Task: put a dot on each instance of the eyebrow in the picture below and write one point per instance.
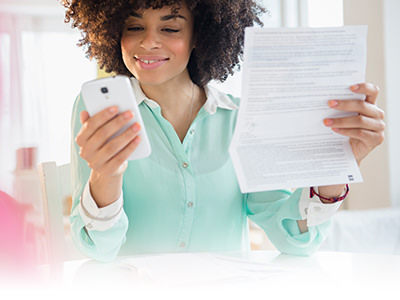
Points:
(163, 18)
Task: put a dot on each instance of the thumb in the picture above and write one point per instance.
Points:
(84, 116)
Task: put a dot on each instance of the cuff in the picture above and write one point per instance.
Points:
(96, 218)
(315, 211)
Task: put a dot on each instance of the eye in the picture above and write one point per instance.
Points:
(170, 30)
(135, 28)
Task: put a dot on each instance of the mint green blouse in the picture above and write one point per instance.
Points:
(185, 195)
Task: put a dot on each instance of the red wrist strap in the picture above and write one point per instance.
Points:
(330, 200)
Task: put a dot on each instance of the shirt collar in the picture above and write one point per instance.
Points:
(215, 98)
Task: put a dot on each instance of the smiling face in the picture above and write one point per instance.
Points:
(156, 44)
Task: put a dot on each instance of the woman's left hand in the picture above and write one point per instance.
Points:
(366, 130)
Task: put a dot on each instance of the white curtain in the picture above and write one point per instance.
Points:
(10, 96)
(41, 72)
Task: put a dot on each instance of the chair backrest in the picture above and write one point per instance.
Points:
(56, 190)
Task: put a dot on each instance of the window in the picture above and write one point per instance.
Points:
(41, 71)
(54, 70)
(325, 13)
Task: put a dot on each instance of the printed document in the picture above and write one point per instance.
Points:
(289, 75)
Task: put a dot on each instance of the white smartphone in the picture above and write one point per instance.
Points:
(117, 90)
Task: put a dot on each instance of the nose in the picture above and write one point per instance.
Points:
(150, 40)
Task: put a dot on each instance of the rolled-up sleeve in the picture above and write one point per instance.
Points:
(101, 245)
(96, 218)
(277, 212)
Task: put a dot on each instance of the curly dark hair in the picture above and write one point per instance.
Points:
(218, 24)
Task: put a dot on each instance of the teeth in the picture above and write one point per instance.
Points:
(149, 61)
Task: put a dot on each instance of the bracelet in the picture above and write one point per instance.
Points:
(330, 200)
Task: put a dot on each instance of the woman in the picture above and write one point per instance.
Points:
(185, 196)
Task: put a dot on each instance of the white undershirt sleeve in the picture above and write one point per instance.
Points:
(96, 218)
(315, 211)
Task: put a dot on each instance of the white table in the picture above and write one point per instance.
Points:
(267, 270)
(257, 274)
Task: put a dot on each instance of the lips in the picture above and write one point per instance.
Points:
(151, 62)
(151, 59)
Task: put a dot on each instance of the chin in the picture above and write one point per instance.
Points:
(151, 79)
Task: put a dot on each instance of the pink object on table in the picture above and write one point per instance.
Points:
(15, 254)
(26, 158)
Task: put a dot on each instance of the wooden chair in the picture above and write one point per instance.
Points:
(56, 193)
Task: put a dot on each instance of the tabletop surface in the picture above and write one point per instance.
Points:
(254, 268)
(251, 275)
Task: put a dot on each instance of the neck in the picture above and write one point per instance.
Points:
(174, 95)
(180, 101)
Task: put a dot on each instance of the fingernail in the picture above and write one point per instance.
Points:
(333, 103)
(112, 109)
(328, 122)
(127, 115)
(355, 87)
(136, 127)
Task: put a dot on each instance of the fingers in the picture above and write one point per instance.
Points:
(366, 128)
(90, 125)
(84, 116)
(102, 134)
(370, 117)
(368, 89)
(356, 122)
(105, 155)
(113, 166)
(113, 147)
(358, 106)
(368, 137)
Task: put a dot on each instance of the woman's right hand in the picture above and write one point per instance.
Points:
(107, 159)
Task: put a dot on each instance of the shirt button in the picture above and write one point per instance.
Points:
(190, 204)
(89, 226)
(192, 131)
(185, 165)
(182, 245)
